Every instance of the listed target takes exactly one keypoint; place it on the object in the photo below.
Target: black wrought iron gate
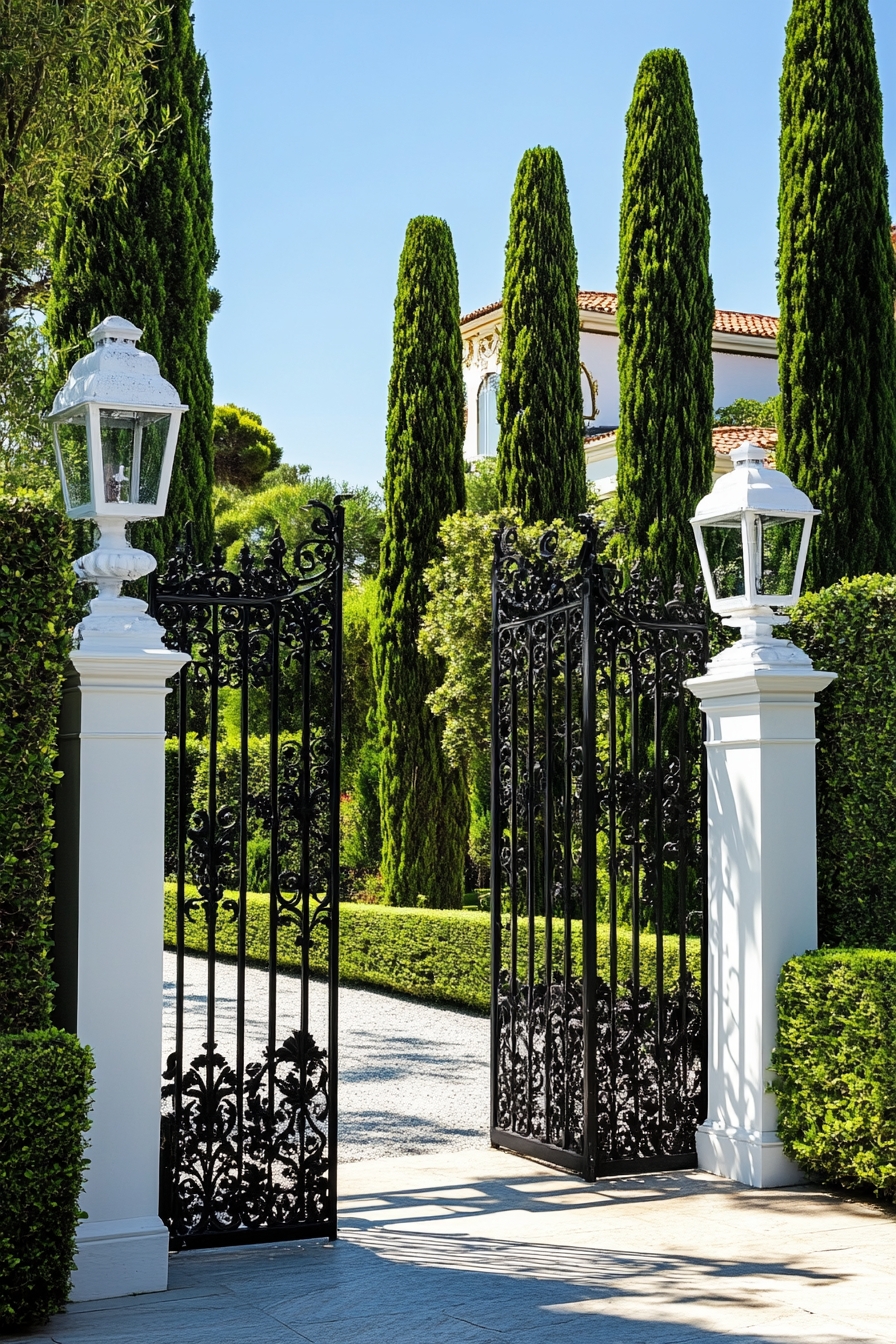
(249, 1098)
(598, 865)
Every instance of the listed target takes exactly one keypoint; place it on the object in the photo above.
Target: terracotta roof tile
(599, 301)
(724, 437)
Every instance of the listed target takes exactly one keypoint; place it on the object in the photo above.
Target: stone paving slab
(479, 1246)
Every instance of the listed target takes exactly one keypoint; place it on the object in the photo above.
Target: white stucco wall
(735, 374)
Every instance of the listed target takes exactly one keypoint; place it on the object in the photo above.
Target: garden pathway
(413, 1076)
(478, 1247)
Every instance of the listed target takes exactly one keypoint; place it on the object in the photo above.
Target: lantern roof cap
(752, 485)
(116, 373)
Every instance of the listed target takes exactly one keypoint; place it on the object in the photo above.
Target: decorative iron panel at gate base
(598, 864)
(248, 1151)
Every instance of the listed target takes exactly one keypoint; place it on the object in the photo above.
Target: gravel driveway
(413, 1076)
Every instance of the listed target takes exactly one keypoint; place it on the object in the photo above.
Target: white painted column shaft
(109, 929)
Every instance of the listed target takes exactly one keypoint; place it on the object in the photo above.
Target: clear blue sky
(334, 123)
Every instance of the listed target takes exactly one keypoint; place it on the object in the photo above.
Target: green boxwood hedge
(443, 955)
(835, 1066)
(850, 629)
(45, 1087)
(36, 584)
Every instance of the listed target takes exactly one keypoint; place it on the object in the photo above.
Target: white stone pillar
(110, 812)
(759, 701)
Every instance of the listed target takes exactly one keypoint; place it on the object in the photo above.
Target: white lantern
(115, 426)
(752, 533)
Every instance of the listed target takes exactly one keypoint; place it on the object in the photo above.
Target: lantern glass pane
(153, 438)
(71, 436)
(780, 551)
(118, 430)
(725, 553)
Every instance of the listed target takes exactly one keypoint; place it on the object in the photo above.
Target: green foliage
(45, 1088)
(194, 754)
(74, 104)
(850, 629)
(27, 462)
(481, 486)
(147, 253)
(835, 1066)
(541, 454)
(433, 954)
(746, 411)
(358, 689)
(36, 584)
(457, 622)
(666, 315)
(244, 450)
(423, 799)
(836, 289)
(281, 503)
(361, 849)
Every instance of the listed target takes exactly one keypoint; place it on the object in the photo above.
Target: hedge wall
(835, 1064)
(443, 955)
(850, 629)
(45, 1087)
(36, 583)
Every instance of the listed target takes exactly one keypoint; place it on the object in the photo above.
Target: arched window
(487, 416)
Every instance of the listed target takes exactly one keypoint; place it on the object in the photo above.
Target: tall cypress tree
(424, 803)
(837, 283)
(541, 451)
(147, 253)
(666, 315)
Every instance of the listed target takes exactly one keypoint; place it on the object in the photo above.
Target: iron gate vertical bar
(613, 860)
(659, 876)
(589, 865)
(514, 877)
(274, 885)
(531, 870)
(243, 884)
(683, 854)
(567, 874)
(704, 904)
(212, 904)
(333, 946)
(184, 800)
(497, 830)
(305, 843)
(548, 831)
(635, 767)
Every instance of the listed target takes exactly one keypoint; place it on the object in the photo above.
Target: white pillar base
(120, 1258)
(748, 1156)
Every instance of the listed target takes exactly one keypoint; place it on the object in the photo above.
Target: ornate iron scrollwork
(248, 1133)
(598, 872)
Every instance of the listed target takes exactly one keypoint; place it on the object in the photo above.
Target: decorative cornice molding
(482, 348)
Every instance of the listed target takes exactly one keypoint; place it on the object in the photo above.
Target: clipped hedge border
(45, 1089)
(36, 583)
(850, 629)
(835, 1066)
(441, 955)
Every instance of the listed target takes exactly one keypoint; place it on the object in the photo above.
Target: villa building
(745, 364)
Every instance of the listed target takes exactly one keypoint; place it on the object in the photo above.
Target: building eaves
(727, 321)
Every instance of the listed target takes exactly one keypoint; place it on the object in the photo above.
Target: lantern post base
(118, 1258)
(748, 1156)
